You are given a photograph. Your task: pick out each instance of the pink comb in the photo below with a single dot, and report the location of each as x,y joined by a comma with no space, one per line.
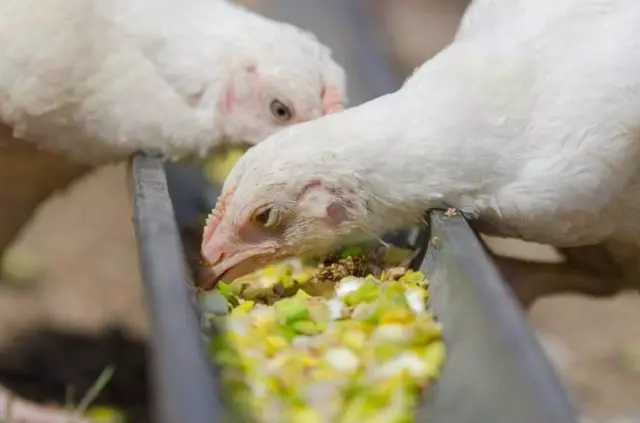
216,215
331,100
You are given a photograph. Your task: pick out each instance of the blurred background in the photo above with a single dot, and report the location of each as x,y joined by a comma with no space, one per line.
71,302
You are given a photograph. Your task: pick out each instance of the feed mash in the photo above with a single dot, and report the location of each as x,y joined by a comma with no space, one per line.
364,349
345,340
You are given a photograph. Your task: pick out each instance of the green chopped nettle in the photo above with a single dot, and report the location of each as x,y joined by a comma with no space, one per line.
332,341
352,251
291,310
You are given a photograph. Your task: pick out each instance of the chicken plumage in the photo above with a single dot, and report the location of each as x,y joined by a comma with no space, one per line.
103,78
528,121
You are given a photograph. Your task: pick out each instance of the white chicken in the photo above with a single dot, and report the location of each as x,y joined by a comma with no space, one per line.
529,121
84,83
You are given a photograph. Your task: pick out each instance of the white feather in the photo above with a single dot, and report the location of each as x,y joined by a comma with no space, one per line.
97,79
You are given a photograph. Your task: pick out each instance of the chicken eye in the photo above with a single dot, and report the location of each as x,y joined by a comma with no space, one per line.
280,111
266,218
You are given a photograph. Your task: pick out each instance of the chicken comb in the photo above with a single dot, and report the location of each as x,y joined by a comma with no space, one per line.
216,215
331,100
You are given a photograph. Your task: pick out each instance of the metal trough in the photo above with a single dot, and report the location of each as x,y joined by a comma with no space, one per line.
495,370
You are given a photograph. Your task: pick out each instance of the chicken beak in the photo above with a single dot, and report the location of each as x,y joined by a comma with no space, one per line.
332,101
229,261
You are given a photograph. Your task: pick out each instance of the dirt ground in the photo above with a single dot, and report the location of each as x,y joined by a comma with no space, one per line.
83,244
85,310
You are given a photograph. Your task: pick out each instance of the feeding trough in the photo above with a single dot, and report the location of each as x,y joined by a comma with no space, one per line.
495,370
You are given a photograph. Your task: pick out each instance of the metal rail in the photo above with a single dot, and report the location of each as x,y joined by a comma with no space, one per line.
495,370
185,386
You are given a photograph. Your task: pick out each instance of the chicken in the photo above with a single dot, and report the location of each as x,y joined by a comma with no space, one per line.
528,122
84,83
98,79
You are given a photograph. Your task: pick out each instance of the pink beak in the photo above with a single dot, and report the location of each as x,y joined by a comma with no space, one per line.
230,267
331,100
227,259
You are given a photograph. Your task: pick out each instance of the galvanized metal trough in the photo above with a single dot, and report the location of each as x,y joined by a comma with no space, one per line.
495,370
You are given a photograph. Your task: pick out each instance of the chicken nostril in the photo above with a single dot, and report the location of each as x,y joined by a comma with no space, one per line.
213,259
219,257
